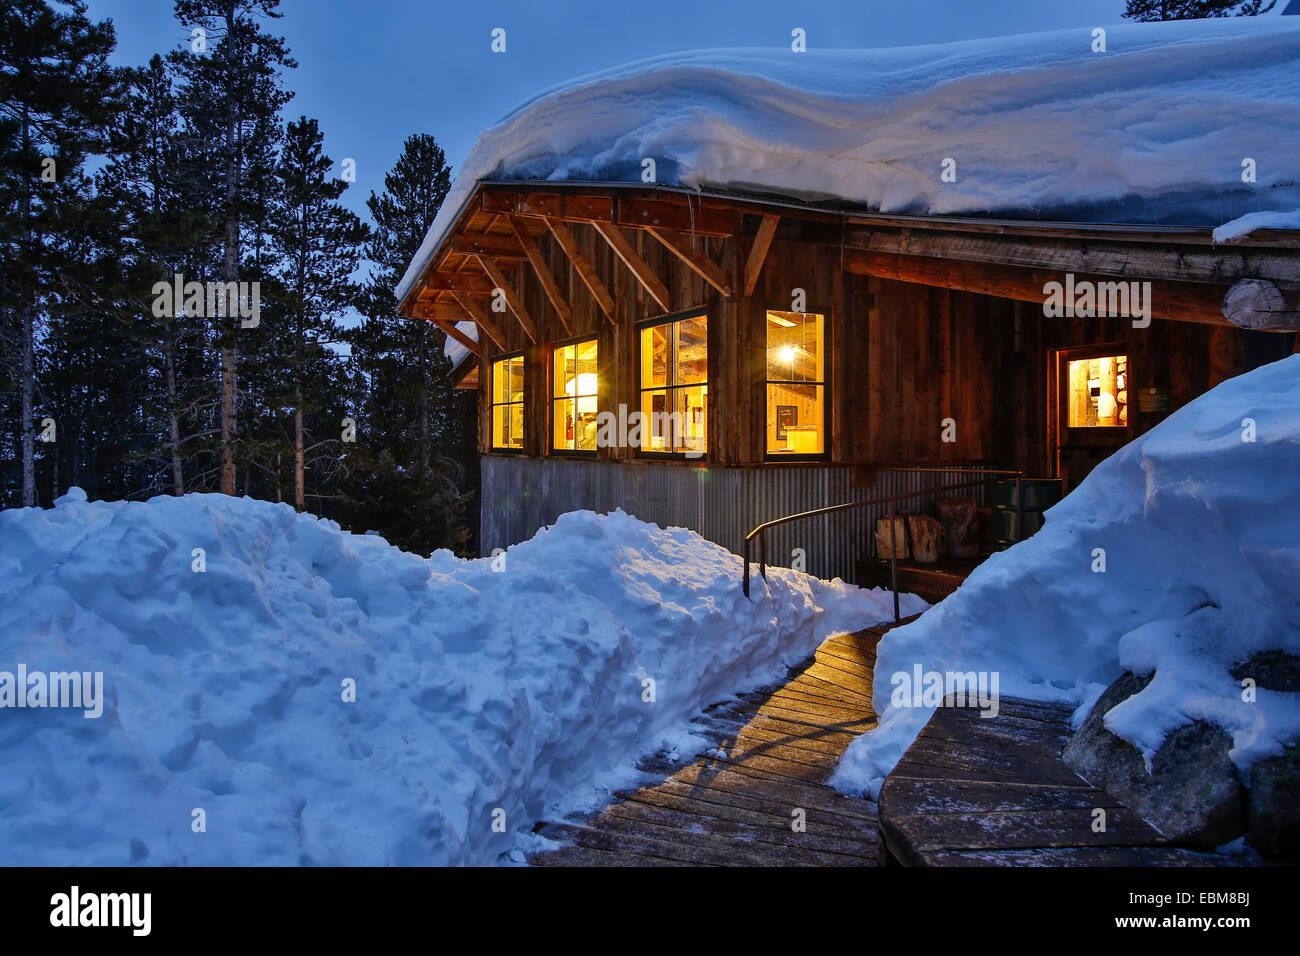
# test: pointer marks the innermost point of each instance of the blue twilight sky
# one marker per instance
(375, 71)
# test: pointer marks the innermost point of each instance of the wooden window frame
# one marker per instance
(493, 405)
(671, 319)
(825, 453)
(551, 398)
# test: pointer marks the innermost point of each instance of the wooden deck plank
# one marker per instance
(978, 791)
(778, 749)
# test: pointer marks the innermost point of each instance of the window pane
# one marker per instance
(1098, 392)
(796, 356)
(516, 378)
(795, 351)
(655, 433)
(654, 355)
(690, 422)
(692, 350)
(795, 419)
(508, 402)
(565, 357)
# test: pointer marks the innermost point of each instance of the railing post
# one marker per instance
(762, 554)
(893, 563)
(746, 578)
(1020, 509)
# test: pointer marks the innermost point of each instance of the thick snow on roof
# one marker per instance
(1154, 130)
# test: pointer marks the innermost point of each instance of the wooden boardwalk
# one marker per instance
(741, 803)
(977, 791)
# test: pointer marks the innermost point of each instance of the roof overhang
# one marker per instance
(497, 228)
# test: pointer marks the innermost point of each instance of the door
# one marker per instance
(1092, 408)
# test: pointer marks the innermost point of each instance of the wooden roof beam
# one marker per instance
(758, 251)
(480, 318)
(499, 247)
(700, 264)
(544, 275)
(628, 211)
(582, 265)
(512, 298)
(450, 328)
(1200, 302)
(459, 282)
(643, 273)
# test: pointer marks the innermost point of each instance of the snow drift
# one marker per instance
(1199, 522)
(514, 685)
(1154, 130)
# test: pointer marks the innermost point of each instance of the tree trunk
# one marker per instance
(299, 493)
(424, 399)
(173, 421)
(28, 377)
(230, 274)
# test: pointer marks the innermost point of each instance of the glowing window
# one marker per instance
(1098, 392)
(508, 403)
(573, 397)
(675, 386)
(796, 383)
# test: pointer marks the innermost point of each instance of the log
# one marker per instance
(960, 524)
(1259, 304)
(891, 537)
(927, 538)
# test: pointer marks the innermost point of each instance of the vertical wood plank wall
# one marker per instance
(903, 357)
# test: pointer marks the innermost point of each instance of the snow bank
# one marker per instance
(1154, 130)
(1201, 534)
(520, 689)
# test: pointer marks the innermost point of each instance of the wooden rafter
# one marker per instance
(582, 265)
(708, 270)
(457, 282)
(501, 247)
(516, 304)
(459, 336)
(480, 318)
(1184, 301)
(549, 285)
(758, 252)
(643, 273)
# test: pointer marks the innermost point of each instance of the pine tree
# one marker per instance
(1150, 10)
(230, 91)
(58, 97)
(149, 179)
(319, 244)
(412, 477)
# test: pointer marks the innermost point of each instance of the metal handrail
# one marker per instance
(759, 531)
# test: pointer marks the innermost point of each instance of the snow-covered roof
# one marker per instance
(1153, 130)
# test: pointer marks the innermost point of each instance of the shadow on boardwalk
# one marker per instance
(759, 797)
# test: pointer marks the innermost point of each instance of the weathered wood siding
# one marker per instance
(902, 358)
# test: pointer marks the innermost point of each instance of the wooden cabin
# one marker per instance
(787, 356)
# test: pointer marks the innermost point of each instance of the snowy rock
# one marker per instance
(1192, 793)
(74, 496)
(1273, 815)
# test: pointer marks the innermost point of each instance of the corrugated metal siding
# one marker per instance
(521, 495)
